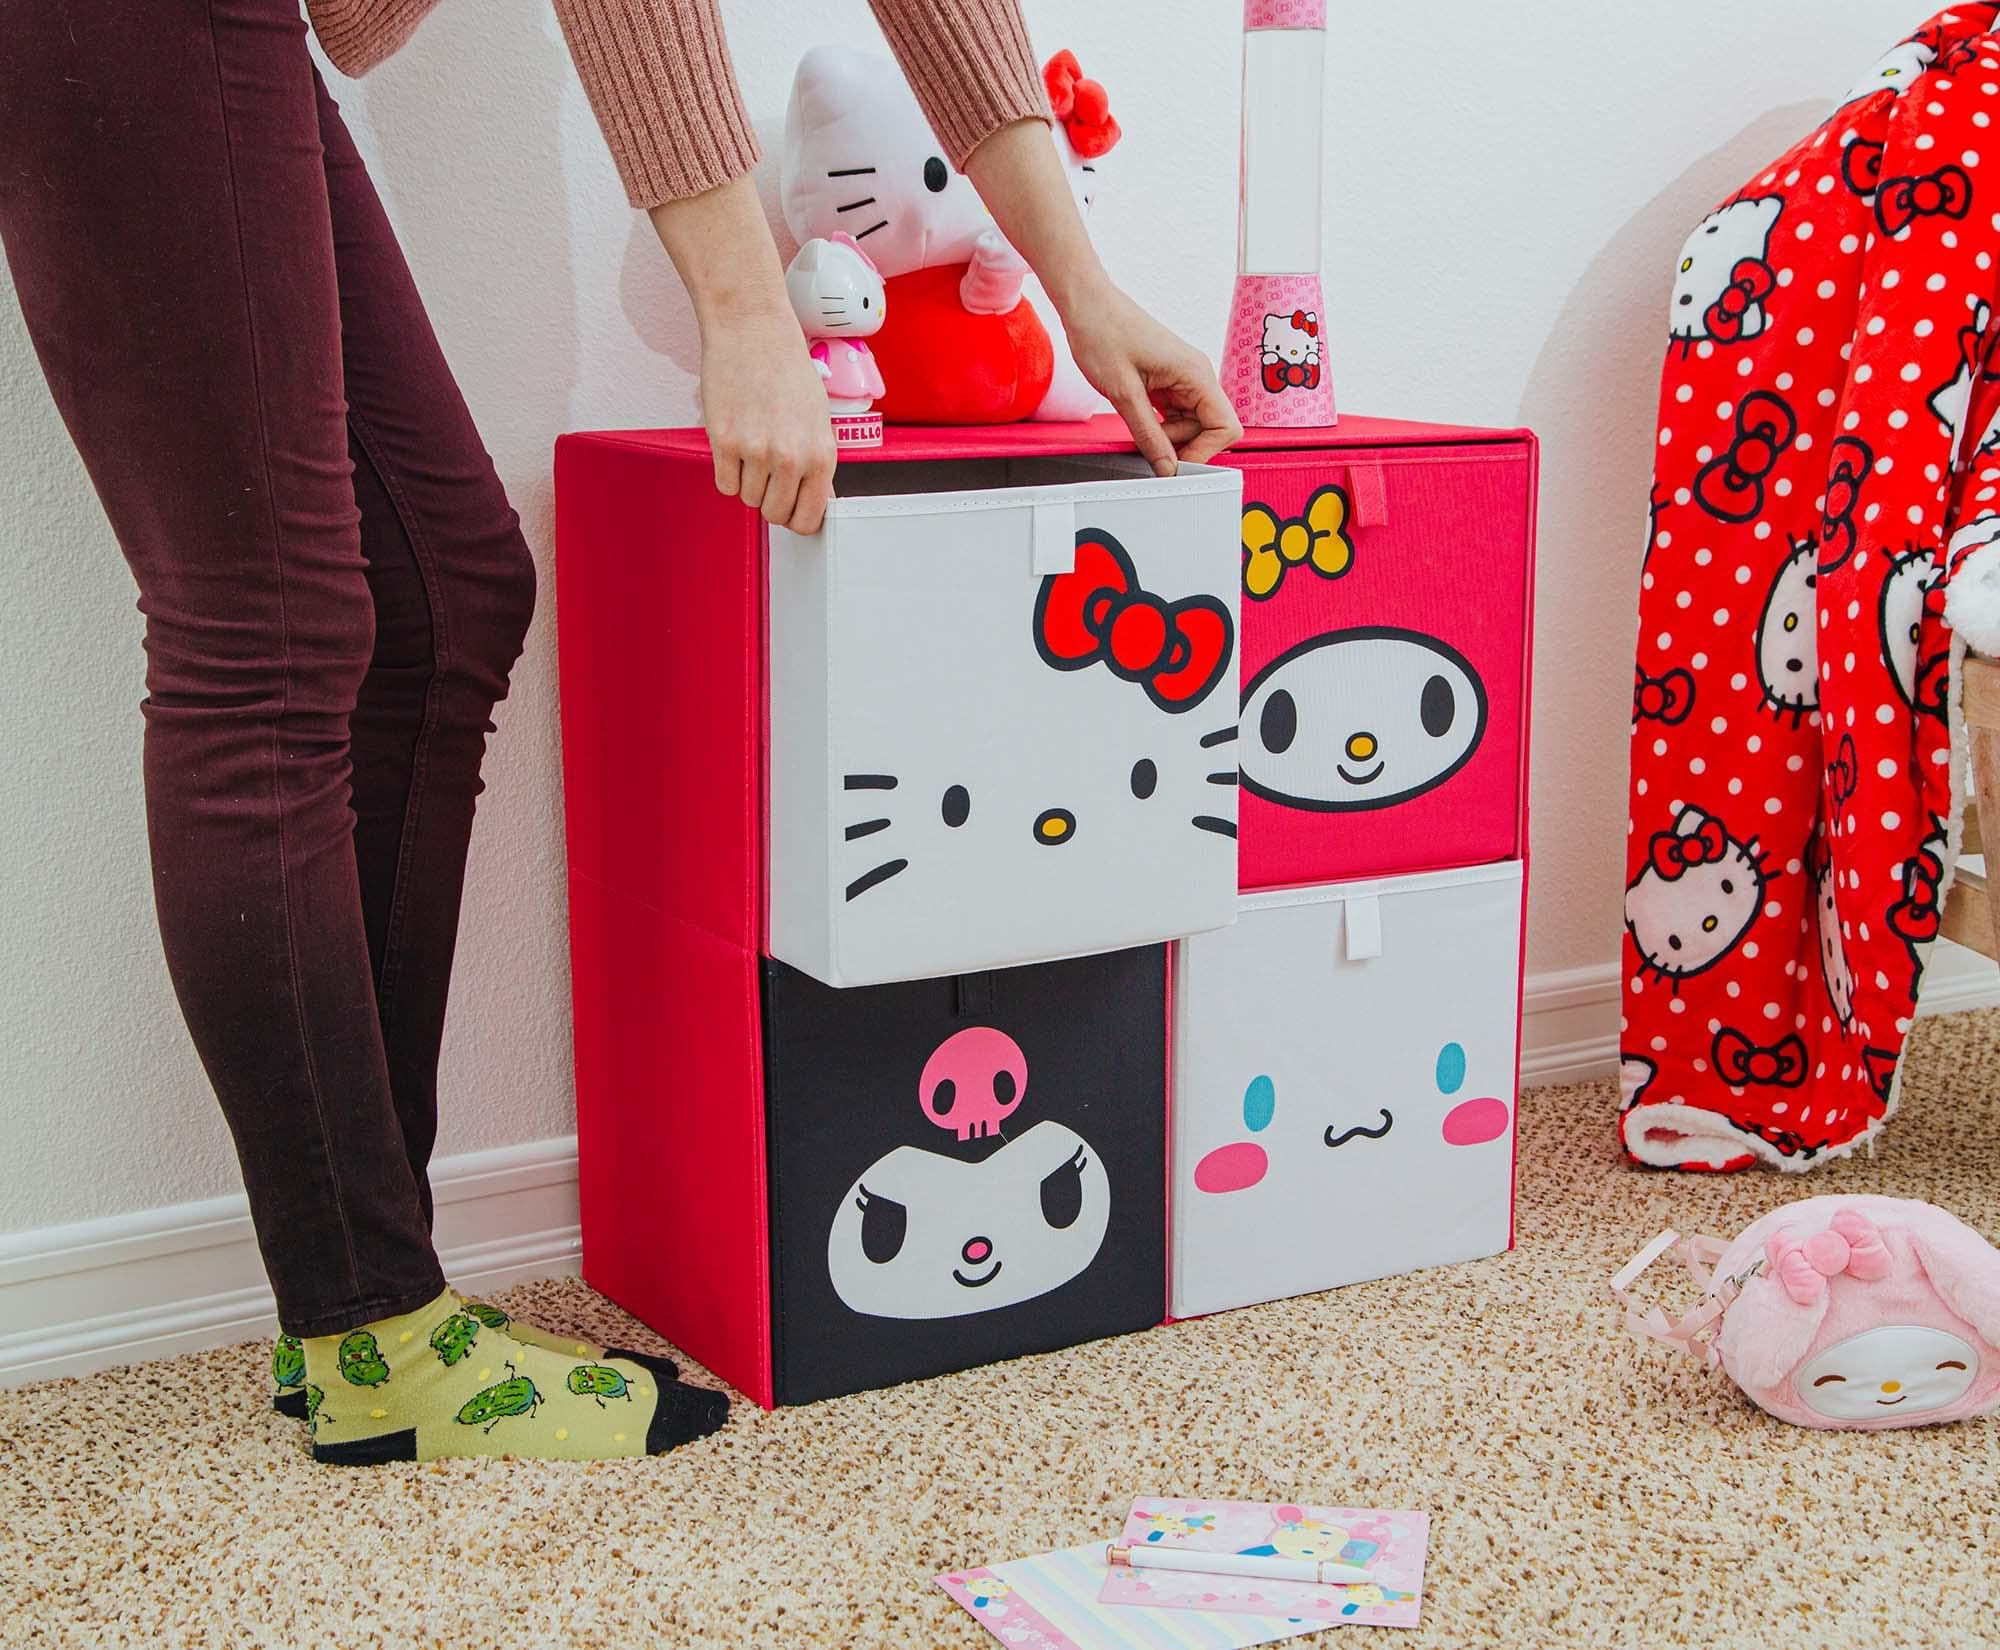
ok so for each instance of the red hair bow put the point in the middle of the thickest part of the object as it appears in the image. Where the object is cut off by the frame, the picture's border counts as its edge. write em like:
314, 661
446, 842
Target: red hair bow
1672, 855
1308, 324
1099, 614
1082, 105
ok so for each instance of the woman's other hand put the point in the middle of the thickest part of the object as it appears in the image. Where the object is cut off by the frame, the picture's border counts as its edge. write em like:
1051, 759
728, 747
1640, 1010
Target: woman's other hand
766, 412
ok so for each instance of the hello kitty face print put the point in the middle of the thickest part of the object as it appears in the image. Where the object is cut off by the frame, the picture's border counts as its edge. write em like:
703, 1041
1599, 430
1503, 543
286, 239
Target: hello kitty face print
1291, 351
1834, 971
1788, 636
860, 157
1724, 279
1903, 594
1896, 71
1952, 400
1075, 744
1696, 898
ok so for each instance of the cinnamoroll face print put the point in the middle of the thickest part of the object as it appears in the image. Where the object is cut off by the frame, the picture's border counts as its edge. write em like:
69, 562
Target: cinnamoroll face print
1696, 898
1898, 1369
1722, 281
1898, 70
924, 1235
1788, 636
1358, 719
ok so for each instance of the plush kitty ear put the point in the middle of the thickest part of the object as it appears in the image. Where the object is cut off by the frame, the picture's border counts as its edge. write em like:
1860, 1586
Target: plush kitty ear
1690, 821
1965, 1271
1769, 1333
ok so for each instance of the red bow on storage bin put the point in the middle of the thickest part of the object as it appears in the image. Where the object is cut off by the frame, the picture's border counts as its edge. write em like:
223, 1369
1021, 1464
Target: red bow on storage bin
1098, 613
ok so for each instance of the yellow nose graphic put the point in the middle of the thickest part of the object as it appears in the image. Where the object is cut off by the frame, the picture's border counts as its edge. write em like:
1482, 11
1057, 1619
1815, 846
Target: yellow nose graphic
1708, 925
1055, 825
1892, 1386
1361, 746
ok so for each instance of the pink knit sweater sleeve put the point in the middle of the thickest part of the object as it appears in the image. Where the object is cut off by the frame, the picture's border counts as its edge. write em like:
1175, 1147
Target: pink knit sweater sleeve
659, 78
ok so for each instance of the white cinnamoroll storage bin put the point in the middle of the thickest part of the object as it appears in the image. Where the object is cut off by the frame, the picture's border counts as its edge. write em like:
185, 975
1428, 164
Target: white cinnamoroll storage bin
1003, 702
1345, 1065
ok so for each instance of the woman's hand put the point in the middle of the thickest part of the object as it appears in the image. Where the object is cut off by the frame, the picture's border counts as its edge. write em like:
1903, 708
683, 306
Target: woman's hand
766, 412
1138, 366
1135, 363
767, 419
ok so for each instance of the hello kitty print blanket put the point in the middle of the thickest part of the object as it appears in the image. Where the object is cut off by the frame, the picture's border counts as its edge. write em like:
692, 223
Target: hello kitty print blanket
1824, 541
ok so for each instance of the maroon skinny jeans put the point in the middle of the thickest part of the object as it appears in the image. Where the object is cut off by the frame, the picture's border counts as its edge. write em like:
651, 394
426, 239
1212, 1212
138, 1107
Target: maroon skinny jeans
333, 583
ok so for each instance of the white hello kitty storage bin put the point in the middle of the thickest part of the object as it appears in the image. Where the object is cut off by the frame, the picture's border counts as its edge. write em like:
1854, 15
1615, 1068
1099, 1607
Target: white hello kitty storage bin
1002, 706
1344, 1086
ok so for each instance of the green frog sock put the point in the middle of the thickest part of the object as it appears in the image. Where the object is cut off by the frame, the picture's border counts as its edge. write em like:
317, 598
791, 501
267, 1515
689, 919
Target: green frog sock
288, 1360
439, 1382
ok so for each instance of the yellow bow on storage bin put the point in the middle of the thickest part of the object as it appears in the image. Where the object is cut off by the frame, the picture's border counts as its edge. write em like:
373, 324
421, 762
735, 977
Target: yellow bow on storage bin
1317, 535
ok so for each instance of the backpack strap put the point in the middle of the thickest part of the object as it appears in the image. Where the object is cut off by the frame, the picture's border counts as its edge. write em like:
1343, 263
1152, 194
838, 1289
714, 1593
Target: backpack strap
1699, 1254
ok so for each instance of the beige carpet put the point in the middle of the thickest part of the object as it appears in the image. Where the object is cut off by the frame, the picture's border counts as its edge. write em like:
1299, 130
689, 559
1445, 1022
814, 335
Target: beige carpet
1584, 1490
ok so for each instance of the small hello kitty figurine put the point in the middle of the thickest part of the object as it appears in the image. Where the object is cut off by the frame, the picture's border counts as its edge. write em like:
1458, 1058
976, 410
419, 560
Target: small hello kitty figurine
836, 291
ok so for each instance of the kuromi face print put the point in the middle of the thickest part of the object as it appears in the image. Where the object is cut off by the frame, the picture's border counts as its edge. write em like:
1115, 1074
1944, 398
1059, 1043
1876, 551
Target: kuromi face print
1360, 719
925, 1235
1699, 893
1896, 70
1900, 1369
1723, 281
1788, 635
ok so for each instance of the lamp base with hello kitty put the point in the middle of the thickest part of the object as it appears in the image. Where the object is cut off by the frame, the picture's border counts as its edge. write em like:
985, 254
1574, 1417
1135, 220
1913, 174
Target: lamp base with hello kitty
1271, 365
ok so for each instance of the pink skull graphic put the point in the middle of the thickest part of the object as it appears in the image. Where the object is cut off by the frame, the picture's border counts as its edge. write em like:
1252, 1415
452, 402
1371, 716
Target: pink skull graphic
973, 1081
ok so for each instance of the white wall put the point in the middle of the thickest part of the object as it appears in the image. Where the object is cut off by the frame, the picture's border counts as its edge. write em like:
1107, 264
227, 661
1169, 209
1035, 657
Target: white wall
1507, 185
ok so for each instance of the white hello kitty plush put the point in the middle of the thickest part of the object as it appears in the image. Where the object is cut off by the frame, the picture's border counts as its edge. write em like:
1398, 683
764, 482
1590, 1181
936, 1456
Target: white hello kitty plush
1291, 351
1724, 280
838, 296
960, 344
1696, 898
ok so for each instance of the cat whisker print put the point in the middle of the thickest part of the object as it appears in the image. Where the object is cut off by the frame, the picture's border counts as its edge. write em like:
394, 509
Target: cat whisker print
1221, 736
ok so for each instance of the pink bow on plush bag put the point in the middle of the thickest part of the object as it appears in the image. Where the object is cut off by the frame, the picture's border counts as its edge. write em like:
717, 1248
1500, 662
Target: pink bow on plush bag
1851, 1244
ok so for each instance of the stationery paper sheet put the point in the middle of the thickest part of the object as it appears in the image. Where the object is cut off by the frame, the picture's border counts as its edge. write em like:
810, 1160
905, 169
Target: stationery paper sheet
1051, 1603
1391, 1545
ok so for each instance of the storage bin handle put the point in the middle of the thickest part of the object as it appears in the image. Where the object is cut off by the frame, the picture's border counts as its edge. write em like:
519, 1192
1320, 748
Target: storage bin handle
1363, 927
1053, 531
1368, 492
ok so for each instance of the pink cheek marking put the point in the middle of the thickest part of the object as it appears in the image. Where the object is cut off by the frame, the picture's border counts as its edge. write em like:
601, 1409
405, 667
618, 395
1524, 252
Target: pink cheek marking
1475, 1122
1231, 1168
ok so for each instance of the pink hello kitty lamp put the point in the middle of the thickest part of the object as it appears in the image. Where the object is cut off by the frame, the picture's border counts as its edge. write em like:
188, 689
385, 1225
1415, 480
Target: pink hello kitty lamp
1272, 363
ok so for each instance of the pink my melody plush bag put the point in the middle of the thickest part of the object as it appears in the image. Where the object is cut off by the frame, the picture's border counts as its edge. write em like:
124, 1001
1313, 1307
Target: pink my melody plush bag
1849, 1311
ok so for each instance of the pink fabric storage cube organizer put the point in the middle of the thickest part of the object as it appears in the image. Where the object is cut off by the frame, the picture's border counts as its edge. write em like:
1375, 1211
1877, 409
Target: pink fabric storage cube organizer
1384, 649
713, 1084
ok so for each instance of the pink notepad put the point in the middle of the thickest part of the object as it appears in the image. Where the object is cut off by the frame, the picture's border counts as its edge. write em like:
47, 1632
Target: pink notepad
1391, 1545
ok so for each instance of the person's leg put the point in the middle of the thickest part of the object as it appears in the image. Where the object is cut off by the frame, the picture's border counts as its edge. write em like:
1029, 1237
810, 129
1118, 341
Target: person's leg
454, 588
164, 212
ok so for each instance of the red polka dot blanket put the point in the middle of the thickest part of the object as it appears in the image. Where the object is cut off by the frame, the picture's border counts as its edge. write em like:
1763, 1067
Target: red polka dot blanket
1824, 542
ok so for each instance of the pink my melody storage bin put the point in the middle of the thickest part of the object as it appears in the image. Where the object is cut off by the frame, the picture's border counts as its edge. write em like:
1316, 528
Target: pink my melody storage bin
881, 844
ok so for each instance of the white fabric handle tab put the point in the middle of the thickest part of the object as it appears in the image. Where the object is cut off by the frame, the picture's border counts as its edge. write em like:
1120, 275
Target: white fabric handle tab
1054, 539
1364, 927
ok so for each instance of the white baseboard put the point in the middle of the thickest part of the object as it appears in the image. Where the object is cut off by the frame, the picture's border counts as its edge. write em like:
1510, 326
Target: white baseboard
158, 1282
77, 1299
1569, 1019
